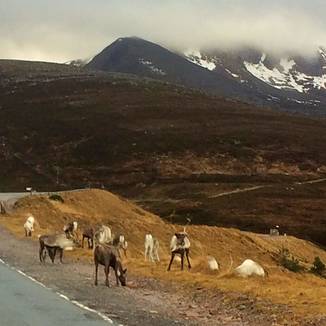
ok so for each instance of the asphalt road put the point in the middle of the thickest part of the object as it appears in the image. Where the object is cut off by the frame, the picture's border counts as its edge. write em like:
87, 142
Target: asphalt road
25, 303
12, 195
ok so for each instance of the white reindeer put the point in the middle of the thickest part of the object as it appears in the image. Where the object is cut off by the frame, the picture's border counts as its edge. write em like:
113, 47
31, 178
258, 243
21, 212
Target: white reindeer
103, 235
29, 225
120, 242
212, 263
151, 248
180, 244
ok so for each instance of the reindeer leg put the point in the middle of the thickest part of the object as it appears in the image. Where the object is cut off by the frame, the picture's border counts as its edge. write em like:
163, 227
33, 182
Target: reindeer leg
61, 255
107, 274
44, 255
187, 255
116, 274
50, 253
150, 255
172, 257
41, 256
182, 258
54, 253
96, 270
45, 252
83, 241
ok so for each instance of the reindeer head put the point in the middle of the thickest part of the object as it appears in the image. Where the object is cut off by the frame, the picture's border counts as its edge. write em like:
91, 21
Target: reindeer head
181, 238
123, 277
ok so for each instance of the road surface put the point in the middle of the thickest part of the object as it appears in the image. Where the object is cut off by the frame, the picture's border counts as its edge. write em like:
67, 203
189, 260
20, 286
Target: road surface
23, 302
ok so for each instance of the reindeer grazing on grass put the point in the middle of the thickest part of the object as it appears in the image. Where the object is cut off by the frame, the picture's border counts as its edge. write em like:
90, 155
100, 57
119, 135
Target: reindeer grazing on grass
52, 244
29, 225
108, 256
151, 248
180, 245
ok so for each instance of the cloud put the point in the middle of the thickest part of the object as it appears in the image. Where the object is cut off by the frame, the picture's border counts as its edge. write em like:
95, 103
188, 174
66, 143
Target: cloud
62, 30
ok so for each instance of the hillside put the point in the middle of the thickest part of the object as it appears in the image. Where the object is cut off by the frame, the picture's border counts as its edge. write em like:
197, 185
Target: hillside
169, 148
96, 206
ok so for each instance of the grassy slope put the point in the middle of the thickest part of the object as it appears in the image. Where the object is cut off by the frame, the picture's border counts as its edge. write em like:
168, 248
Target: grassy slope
95, 206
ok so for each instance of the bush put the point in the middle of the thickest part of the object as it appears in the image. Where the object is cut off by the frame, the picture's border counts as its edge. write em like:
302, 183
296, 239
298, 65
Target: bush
56, 197
288, 261
318, 267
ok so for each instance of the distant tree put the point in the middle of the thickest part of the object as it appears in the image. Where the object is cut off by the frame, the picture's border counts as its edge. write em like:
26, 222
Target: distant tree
318, 267
289, 261
56, 197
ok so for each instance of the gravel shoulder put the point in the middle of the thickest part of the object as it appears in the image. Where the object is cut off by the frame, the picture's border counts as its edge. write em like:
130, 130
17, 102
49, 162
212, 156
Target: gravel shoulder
145, 301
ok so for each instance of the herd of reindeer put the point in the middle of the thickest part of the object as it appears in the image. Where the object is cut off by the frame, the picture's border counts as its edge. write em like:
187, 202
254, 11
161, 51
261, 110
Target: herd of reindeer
106, 247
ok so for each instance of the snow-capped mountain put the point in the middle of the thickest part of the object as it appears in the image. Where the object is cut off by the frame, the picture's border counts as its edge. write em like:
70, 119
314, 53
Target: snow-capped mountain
79, 62
298, 79
290, 82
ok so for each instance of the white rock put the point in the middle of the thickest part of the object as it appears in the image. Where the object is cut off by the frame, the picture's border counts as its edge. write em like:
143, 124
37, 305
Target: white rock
249, 268
212, 263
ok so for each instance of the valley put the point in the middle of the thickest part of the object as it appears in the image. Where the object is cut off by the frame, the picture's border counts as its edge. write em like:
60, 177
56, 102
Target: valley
171, 149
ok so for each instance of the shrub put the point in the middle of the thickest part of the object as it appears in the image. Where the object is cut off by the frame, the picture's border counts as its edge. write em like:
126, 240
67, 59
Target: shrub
56, 197
288, 261
318, 267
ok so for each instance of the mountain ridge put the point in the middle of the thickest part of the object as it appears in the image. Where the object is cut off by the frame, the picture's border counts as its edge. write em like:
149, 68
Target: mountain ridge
290, 83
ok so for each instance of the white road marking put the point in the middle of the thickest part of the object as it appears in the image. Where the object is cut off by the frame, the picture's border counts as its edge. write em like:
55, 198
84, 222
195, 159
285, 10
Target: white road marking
74, 302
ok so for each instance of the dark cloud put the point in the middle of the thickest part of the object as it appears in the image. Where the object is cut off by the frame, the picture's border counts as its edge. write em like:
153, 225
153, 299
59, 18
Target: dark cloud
62, 30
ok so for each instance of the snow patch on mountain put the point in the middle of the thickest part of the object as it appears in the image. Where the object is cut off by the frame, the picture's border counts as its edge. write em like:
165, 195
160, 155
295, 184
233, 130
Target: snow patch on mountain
152, 67
320, 82
79, 62
287, 64
285, 76
231, 73
322, 52
195, 57
274, 77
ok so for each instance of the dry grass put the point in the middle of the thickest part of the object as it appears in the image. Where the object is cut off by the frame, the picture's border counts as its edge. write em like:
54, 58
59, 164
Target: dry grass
304, 292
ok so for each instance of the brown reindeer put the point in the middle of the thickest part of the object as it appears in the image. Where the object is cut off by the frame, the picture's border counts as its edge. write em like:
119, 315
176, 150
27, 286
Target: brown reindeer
88, 233
108, 257
180, 245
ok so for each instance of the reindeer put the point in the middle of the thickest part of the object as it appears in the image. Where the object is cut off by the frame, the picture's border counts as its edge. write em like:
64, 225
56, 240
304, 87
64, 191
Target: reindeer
29, 225
52, 244
70, 229
88, 233
108, 256
102, 235
151, 248
180, 244
120, 242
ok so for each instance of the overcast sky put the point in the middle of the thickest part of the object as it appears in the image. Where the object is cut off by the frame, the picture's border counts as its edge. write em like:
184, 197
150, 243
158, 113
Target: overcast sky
60, 30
